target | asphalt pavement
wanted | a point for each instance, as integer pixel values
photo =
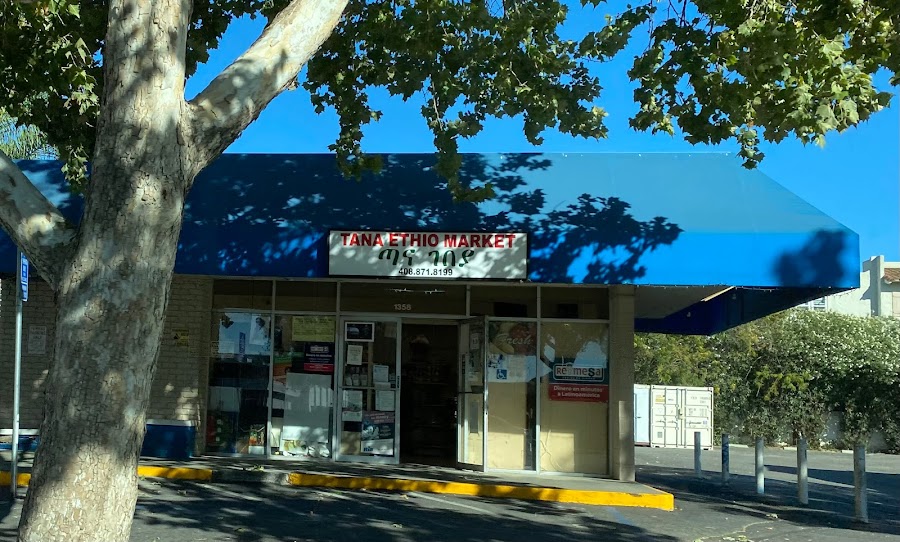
(706, 509)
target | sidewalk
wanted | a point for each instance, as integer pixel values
(404, 477)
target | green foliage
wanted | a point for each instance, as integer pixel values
(470, 61)
(780, 376)
(720, 70)
(50, 75)
(687, 361)
(766, 69)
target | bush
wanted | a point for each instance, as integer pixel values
(780, 376)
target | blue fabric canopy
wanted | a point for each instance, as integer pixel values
(681, 220)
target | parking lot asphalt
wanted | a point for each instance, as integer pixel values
(706, 509)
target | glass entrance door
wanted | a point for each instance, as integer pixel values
(471, 395)
(367, 426)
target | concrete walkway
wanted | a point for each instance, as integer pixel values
(404, 477)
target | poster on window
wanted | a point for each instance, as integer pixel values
(578, 358)
(378, 433)
(318, 357)
(312, 329)
(512, 350)
(352, 406)
(259, 331)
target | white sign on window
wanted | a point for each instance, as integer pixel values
(428, 255)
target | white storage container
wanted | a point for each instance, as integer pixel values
(671, 415)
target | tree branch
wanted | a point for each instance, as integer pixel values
(237, 96)
(33, 223)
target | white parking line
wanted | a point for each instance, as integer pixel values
(232, 494)
(454, 503)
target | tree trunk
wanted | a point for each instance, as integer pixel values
(111, 308)
(112, 295)
(112, 280)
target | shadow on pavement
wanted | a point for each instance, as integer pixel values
(304, 514)
(830, 505)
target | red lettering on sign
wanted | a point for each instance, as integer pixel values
(392, 239)
(344, 238)
(354, 240)
(486, 241)
(450, 241)
(463, 241)
(378, 240)
(510, 237)
(476, 241)
(433, 240)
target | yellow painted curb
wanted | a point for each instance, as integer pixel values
(174, 473)
(659, 500)
(22, 479)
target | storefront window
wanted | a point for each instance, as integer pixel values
(511, 377)
(504, 301)
(412, 298)
(307, 296)
(242, 294)
(575, 302)
(240, 354)
(302, 385)
(574, 397)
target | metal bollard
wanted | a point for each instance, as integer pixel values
(859, 483)
(697, 447)
(802, 473)
(760, 467)
(726, 460)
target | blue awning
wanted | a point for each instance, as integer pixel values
(669, 223)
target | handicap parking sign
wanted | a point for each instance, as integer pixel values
(501, 374)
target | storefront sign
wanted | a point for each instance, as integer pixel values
(318, 357)
(428, 255)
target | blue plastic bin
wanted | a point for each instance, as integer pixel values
(169, 439)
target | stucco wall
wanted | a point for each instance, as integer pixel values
(179, 387)
(874, 297)
(857, 302)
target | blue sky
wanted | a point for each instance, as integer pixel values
(855, 178)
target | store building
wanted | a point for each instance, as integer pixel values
(314, 316)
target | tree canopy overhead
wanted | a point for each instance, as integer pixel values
(712, 70)
(104, 81)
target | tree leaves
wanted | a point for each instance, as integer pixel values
(713, 70)
(50, 75)
(765, 69)
(470, 62)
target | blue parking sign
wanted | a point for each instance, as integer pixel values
(24, 278)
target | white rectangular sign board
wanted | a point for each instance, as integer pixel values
(428, 255)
